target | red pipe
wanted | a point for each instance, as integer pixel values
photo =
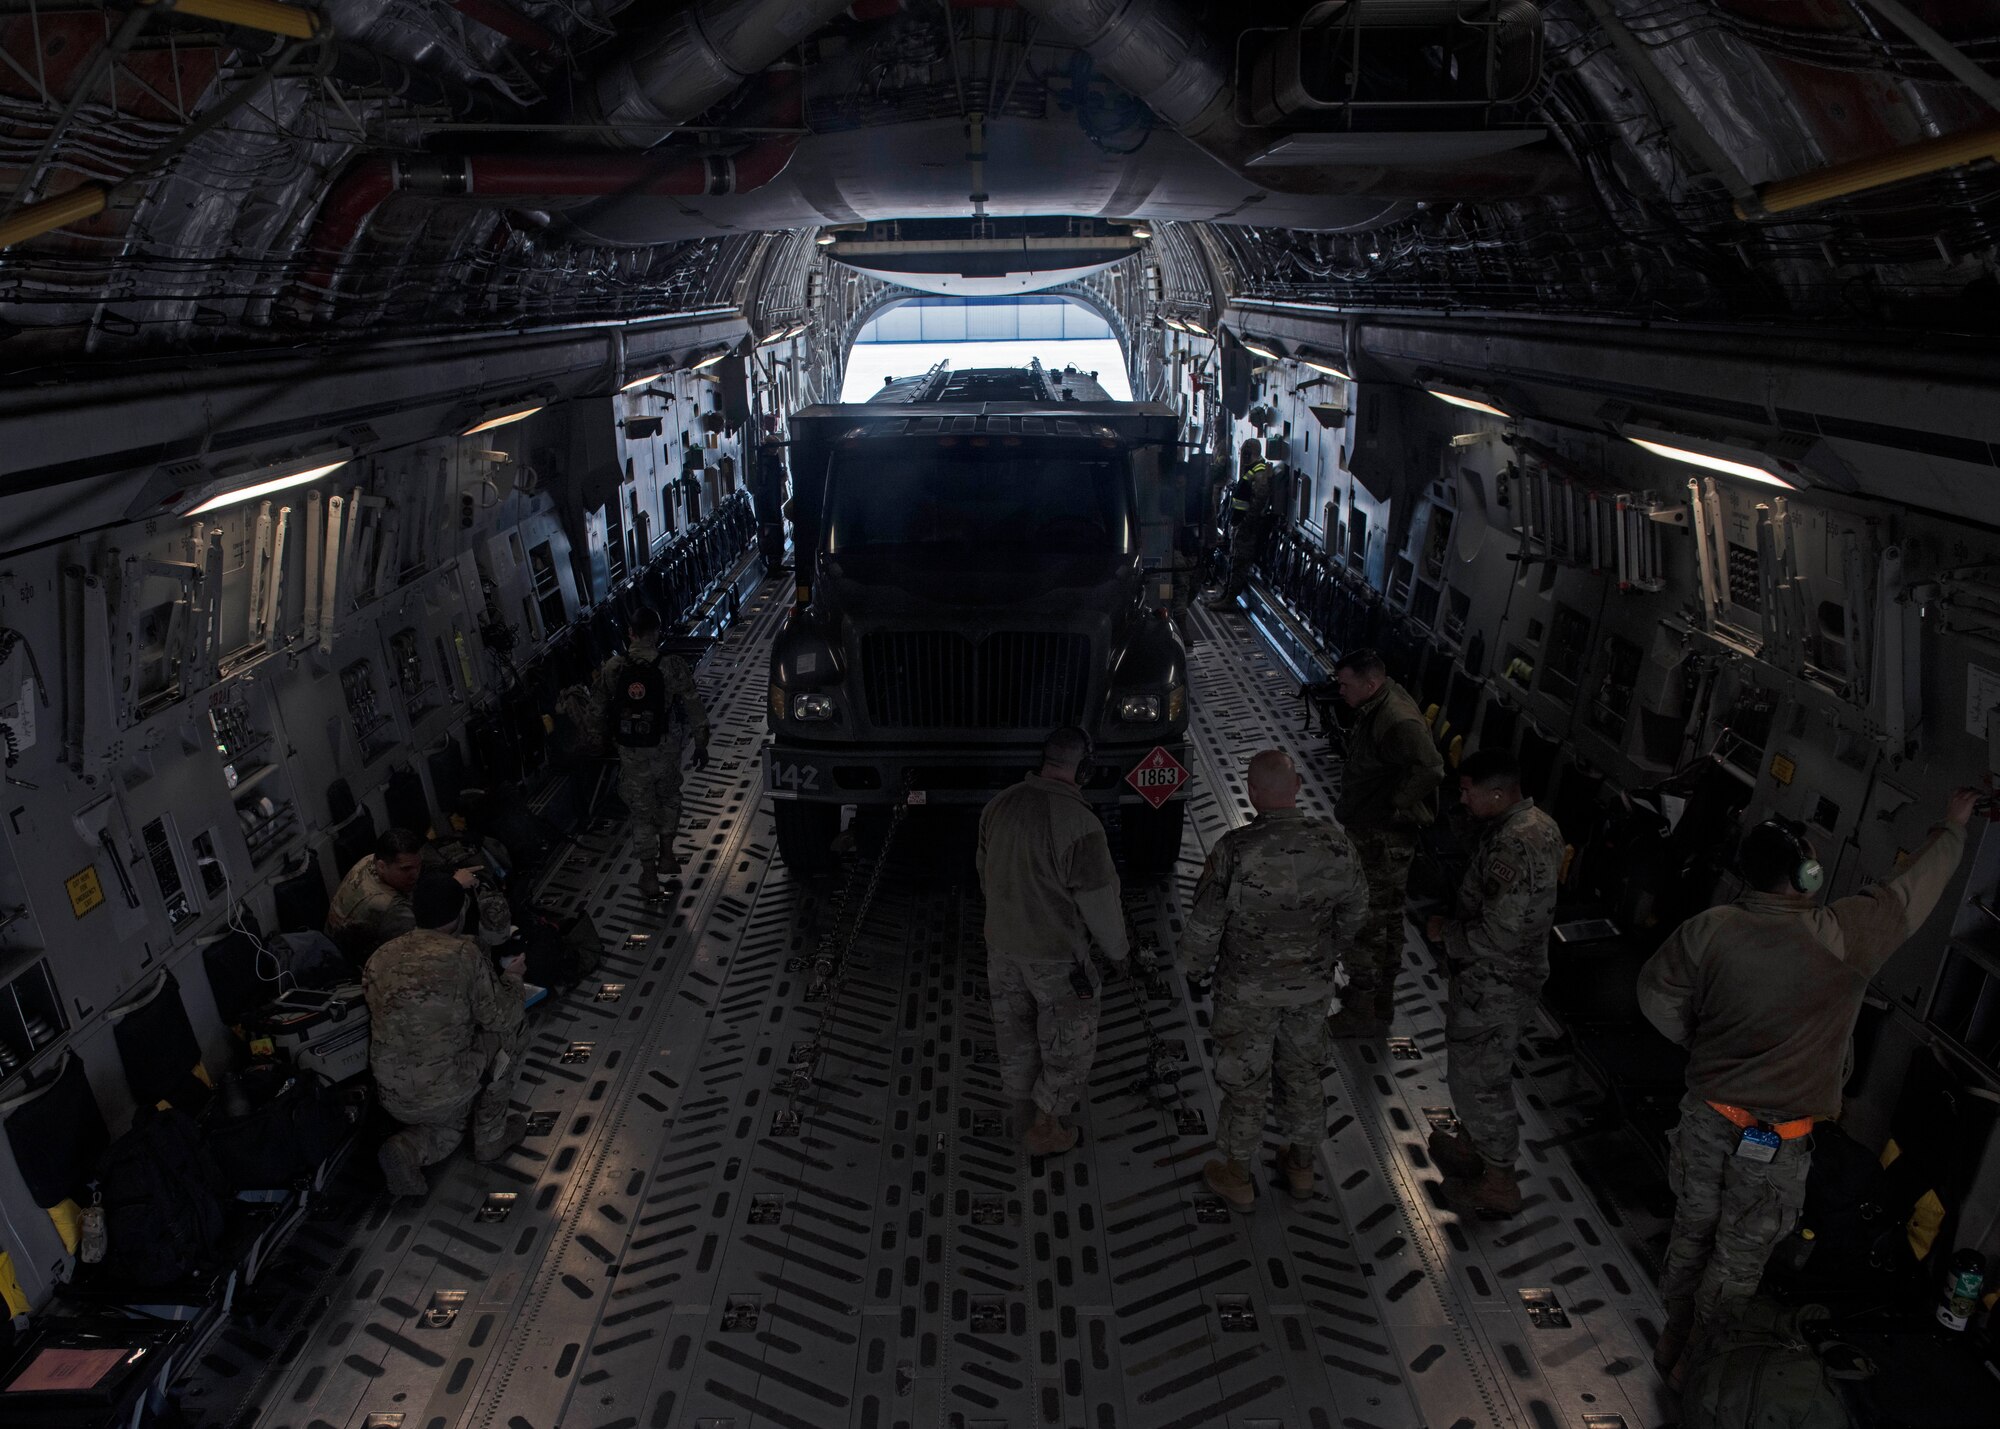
(502, 21)
(371, 182)
(361, 190)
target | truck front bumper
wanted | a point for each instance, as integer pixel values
(940, 774)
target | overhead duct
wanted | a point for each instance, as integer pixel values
(694, 61)
(372, 181)
(1392, 57)
(1155, 50)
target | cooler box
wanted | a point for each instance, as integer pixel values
(320, 1030)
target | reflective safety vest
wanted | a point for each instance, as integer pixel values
(1243, 496)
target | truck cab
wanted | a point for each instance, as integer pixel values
(983, 556)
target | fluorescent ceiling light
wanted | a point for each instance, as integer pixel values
(1262, 349)
(796, 329)
(1319, 363)
(1174, 323)
(1139, 230)
(277, 477)
(708, 361)
(827, 240)
(1714, 463)
(1470, 403)
(642, 381)
(1196, 328)
(501, 417)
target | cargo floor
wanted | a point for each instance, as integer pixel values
(759, 1199)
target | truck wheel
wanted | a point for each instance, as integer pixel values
(1152, 839)
(806, 832)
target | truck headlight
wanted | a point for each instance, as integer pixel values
(1139, 709)
(812, 706)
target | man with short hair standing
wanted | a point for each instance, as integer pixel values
(1392, 767)
(1279, 899)
(1050, 886)
(1249, 519)
(445, 1036)
(1496, 945)
(1763, 993)
(652, 711)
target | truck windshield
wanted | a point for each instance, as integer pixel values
(1059, 500)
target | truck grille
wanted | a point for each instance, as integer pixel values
(939, 679)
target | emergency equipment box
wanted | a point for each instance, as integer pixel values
(320, 1030)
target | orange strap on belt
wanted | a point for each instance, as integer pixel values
(1787, 1130)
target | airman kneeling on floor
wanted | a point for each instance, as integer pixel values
(446, 1030)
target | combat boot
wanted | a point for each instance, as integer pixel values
(1452, 1153)
(1229, 1180)
(670, 887)
(1298, 1167)
(1668, 1353)
(402, 1168)
(512, 1132)
(649, 878)
(1494, 1196)
(1048, 1136)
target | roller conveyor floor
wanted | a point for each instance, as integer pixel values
(755, 1198)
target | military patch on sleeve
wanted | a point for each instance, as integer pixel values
(1502, 872)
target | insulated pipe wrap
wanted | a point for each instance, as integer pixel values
(697, 59)
(1150, 48)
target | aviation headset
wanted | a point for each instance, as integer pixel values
(1806, 873)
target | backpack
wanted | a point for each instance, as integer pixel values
(162, 1199)
(292, 1124)
(560, 950)
(1763, 1373)
(638, 713)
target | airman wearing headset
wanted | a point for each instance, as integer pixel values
(1764, 993)
(1051, 891)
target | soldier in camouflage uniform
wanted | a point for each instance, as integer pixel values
(1045, 868)
(649, 759)
(372, 904)
(1250, 517)
(1496, 945)
(445, 1037)
(1278, 900)
(1391, 768)
(1763, 993)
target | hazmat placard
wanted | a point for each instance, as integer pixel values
(1158, 776)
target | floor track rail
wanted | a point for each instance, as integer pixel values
(719, 1230)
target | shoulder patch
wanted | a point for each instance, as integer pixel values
(1501, 871)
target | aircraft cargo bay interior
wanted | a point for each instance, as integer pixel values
(1104, 714)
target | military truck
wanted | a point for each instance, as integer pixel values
(982, 556)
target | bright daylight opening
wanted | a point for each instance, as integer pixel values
(910, 338)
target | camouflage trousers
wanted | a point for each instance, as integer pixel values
(1246, 539)
(1047, 1035)
(433, 1118)
(1255, 1047)
(1729, 1214)
(649, 781)
(1482, 1027)
(1377, 955)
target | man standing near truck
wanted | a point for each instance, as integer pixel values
(1392, 769)
(1045, 867)
(1249, 519)
(651, 712)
